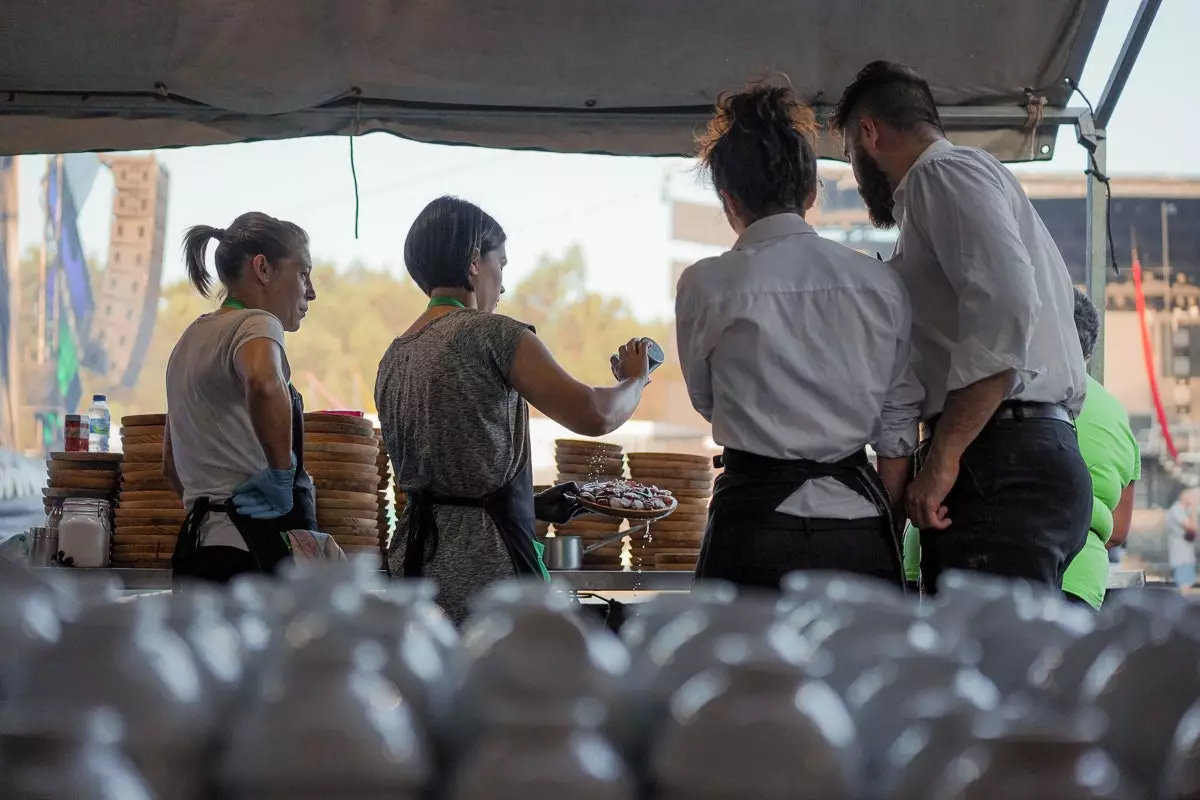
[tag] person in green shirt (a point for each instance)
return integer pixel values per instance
(1111, 452)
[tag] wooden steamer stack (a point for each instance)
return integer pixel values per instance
(149, 512)
(674, 543)
(382, 523)
(93, 476)
(583, 461)
(341, 454)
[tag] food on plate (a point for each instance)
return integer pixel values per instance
(623, 494)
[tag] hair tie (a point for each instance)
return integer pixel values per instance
(218, 234)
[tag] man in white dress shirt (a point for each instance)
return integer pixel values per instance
(1002, 487)
(795, 348)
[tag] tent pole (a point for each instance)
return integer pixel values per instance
(1097, 244)
(1129, 55)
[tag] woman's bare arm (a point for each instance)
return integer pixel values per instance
(585, 410)
(260, 364)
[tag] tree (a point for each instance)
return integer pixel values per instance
(581, 328)
(359, 310)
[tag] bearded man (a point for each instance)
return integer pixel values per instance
(1001, 486)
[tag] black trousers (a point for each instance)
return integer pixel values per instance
(1020, 508)
(760, 555)
(221, 563)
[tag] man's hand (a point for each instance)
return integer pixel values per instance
(927, 494)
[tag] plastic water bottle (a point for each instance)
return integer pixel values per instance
(99, 424)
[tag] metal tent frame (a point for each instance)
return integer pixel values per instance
(1091, 130)
(98, 96)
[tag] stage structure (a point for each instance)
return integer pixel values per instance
(93, 325)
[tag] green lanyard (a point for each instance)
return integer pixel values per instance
(235, 304)
(444, 301)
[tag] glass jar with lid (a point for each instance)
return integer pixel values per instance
(85, 532)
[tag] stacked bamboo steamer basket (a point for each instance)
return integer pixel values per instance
(382, 523)
(674, 543)
(341, 455)
(583, 461)
(149, 512)
(94, 476)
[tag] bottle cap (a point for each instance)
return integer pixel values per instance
(99, 397)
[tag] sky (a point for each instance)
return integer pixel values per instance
(613, 207)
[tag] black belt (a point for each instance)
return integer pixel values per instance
(1017, 410)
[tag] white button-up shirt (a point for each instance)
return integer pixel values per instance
(795, 347)
(989, 289)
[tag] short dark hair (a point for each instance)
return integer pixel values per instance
(1087, 322)
(444, 240)
(249, 235)
(891, 93)
(758, 148)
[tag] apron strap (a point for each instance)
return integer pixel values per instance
(788, 476)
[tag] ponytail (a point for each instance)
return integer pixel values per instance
(195, 243)
(250, 234)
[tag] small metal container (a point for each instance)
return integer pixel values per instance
(43, 546)
(654, 354)
(565, 553)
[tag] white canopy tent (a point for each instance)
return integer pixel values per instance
(626, 77)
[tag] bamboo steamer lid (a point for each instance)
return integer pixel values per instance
(588, 445)
(135, 528)
(124, 512)
(340, 451)
(340, 438)
(650, 474)
(367, 498)
(342, 469)
(346, 421)
(99, 460)
(84, 479)
(363, 527)
(98, 468)
(345, 428)
(331, 504)
(148, 484)
(150, 504)
(157, 431)
(358, 486)
(138, 420)
(165, 497)
(126, 538)
(680, 458)
(58, 493)
(127, 441)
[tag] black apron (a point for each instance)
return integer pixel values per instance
(511, 510)
(265, 539)
(752, 487)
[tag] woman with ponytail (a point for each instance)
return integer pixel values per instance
(795, 348)
(234, 441)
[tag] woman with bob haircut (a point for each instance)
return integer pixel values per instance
(453, 394)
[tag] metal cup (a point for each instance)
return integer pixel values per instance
(654, 354)
(43, 546)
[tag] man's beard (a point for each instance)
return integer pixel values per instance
(875, 190)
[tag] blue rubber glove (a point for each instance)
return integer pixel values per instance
(268, 495)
